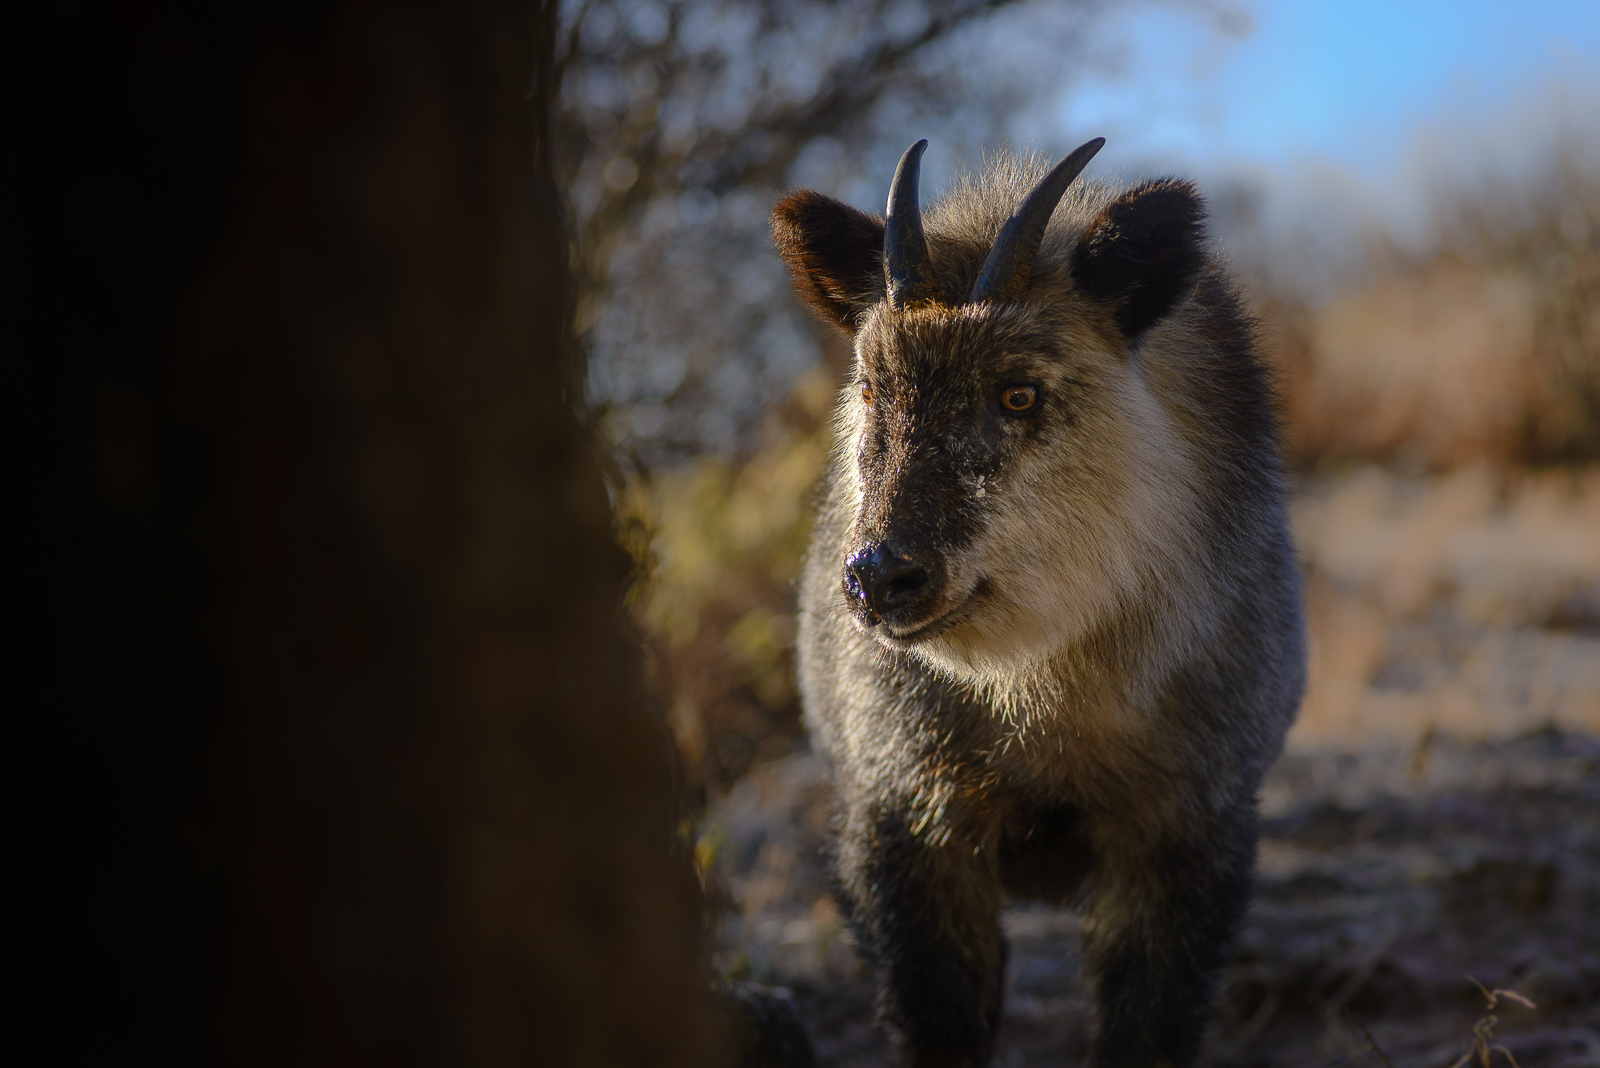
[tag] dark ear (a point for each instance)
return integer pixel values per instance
(834, 252)
(1143, 252)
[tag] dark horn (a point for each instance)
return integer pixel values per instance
(1010, 263)
(905, 251)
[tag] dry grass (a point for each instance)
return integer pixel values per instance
(1484, 1045)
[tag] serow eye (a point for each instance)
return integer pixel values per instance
(1018, 398)
(866, 395)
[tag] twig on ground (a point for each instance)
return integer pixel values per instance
(1483, 1044)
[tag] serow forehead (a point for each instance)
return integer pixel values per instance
(928, 348)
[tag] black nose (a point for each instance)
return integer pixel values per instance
(887, 578)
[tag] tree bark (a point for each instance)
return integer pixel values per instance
(336, 749)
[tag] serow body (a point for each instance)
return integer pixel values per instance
(1051, 631)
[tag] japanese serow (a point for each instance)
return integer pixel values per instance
(1051, 628)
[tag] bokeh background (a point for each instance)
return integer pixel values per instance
(1410, 193)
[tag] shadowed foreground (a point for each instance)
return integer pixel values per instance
(335, 745)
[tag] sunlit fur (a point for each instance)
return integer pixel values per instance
(1116, 650)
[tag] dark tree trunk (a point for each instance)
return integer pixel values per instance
(332, 746)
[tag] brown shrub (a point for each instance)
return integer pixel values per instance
(1487, 350)
(719, 545)
(1430, 369)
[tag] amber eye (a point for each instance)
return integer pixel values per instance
(866, 396)
(1018, 398)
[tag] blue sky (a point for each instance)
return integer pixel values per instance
(1357, 86)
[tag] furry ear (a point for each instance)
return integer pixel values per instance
(1143, 252)
(834, 253)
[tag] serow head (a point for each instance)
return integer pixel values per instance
(996, 429)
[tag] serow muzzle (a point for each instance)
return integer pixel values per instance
(889, 580)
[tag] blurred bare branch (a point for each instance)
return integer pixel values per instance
(679, 121)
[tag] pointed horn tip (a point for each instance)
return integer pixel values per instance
(910, 160)
(1010, 262)
(912, 156)
(1079, 157)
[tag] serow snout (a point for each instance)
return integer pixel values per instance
(885, 579)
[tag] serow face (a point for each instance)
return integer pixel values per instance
(949, 402)
(1005, 453)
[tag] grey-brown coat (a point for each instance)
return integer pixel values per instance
(1050, 627)
(1051, 630)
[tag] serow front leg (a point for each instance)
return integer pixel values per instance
(1162, 921)
(927, 917)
